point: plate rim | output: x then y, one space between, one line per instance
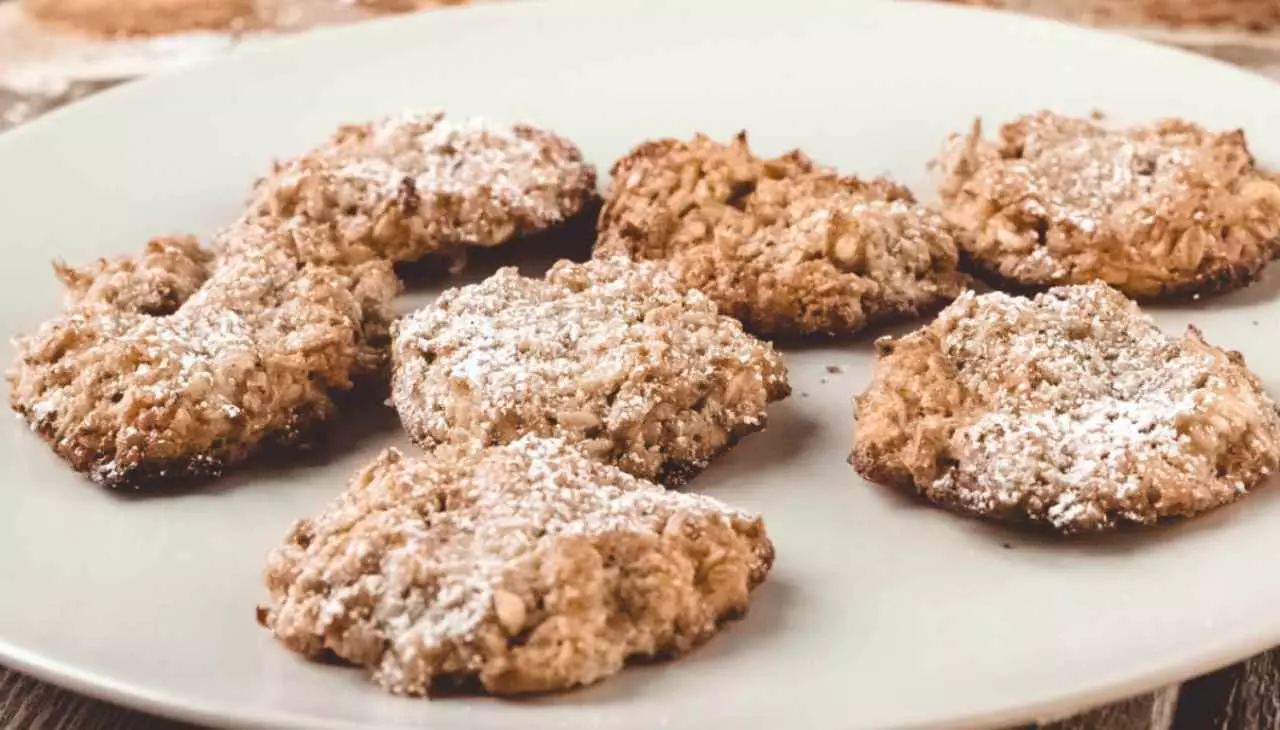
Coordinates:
127 695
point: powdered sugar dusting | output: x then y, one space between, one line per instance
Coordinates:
426 566
473 154
1085 412
608 354
416 183
1155 209
1083 174
180 361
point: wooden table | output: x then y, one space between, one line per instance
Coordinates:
1245 696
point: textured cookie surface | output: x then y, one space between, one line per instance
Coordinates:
608 355
183 361
420 184
525 568
1163 209
783 246
1071 410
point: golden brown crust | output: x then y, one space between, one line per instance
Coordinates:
783 246
169 271
182 362
1162 210
415 185
608 355
527 567
1071 410
143 17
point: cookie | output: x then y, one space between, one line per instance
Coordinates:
518 568
780 244
1166 209
156 283
608 355
1071 410
143 17
183 361
416 185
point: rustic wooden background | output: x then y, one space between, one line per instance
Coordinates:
1245 696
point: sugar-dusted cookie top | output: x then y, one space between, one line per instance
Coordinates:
1161 209
183 361
526 567
1071 410
609 355
415 184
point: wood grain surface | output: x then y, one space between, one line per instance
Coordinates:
1245 696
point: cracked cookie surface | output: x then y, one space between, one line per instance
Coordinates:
1166 209
183 361
1071 410
524 568
419 184
784 246
609 355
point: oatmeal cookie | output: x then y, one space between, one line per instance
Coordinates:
780 244
184 361
419 184
143 17
169 271
608 355
523 568
372 278
1070 410
1159 210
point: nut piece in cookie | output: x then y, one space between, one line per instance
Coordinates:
181 362
415 185
608 355
783 246
526 567
1159 210
1070 410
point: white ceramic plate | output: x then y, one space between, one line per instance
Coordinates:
881 612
